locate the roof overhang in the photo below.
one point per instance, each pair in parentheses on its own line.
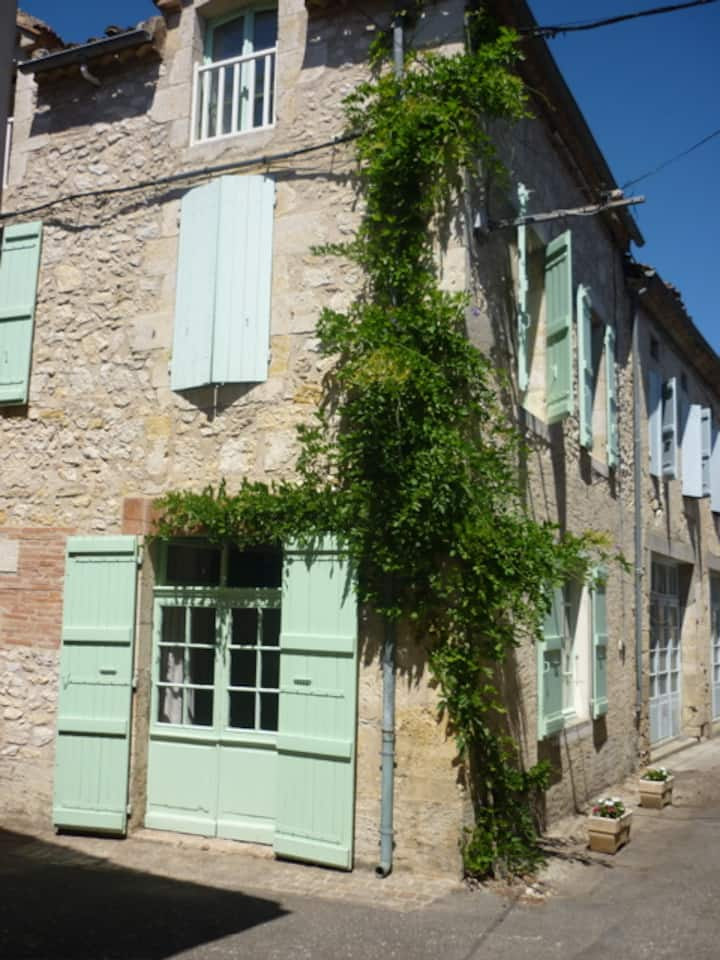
(108,49)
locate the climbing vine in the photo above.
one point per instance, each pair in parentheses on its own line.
(411,460)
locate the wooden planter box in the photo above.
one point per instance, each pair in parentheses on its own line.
(656,793)
(606,835)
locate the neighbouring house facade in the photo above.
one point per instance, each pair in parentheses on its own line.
(158,301)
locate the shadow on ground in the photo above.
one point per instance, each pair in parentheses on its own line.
(58,904)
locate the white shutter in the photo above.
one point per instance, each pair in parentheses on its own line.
(655,422)
(706,445)
(692,474)
(669,429)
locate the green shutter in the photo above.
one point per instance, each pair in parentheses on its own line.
(613,445)
(600,644)
(316,736)
(222,309)
(19,264)
(558,326)
(550,680)
(523,317)
(585,366)
(96,668)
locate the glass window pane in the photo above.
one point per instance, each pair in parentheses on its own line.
(244,626)
(270,671)
(673,682)
(171,664)
(268,711)
(173,624)
(242,710)
(202,667)
(243,668)
(170,705)
(200,707)
(662,684)
(228,39)
(202,625)
(258,567)
(265,30)
(191,565)
(653,687)
(271,628)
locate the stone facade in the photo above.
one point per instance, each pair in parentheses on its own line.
(104,433)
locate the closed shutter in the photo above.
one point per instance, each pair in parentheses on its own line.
(669,429)
(706,443)
(558,321)
(613,445)
(692,464)
(96,667)
(585,366)
(316,734)
(550,679)
(715,471)
(19,264)
(222,310)
(655,422)
(523,318)
(600,646)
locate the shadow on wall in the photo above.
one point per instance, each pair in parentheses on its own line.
(59,903)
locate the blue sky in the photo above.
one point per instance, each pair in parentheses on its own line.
(648,88)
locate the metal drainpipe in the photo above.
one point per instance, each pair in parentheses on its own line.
(387,753)
(638,474)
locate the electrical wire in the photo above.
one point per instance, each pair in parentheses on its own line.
(666,163)
(550,32)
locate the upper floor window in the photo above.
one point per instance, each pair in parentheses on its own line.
(234,88)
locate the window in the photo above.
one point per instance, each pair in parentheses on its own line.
(545,312)
(222,307)
(19,265)
(597,379)
(572,657)
(235,86)
(665,659)
(663,426)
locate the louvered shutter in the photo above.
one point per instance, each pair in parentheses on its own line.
(585,366)
(669,429)
(715,471)
(550,680)
(655,422)
(19,264)
(599,645)
(706,444)
(613,445)
(558,321)
(692,464)
(523,317)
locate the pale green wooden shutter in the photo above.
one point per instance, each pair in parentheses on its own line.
(600,645)
(19,264)
(222,310)
(613,445)
(558,325)
(96,668)
(523,317)
(244,273)
(550,679)
(316,735)
(586,379)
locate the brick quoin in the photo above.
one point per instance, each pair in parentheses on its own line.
(31,598)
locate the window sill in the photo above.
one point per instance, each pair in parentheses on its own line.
(231,136)
(578,729)
(528,421)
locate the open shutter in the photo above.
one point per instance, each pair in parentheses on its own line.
(655,422)
(585,365)
(195,290)
(715,471)
(19,263)
(550,680)
(706,446)
(613,445)
(669,429)
(558,322)
(316,733)
(523,318)
(600,645)
(244,273)
(692,463)
(96,666)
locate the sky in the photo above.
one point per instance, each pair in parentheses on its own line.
(649,89)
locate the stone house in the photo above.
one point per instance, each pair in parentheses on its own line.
(164,181)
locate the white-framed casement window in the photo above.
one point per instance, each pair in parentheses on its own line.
(597,379)
(234,87)
(665,673)
(572,657)
(545,316)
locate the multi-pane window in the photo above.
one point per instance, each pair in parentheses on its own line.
(665,661)
(186,672)
(254,668)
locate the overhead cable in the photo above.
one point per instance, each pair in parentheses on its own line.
(549,32)
(666,163)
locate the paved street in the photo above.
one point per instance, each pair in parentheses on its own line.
(150,897)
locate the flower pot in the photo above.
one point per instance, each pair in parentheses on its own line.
(656,793)
(606,835)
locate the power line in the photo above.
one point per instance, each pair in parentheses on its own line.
(550,32)
(666,163)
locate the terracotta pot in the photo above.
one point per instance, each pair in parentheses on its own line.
(606,835)
(656,793)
